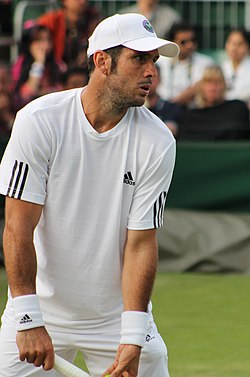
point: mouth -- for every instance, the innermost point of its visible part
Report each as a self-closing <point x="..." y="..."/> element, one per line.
<point x="145" y="88"/>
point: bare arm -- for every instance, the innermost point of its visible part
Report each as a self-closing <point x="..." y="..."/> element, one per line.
<point x="140" y="264"/>
<point x="20" y="259"/>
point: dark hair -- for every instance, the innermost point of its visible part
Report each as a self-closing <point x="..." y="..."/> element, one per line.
<point x="113" y="52"/>
<point x="74" y="70"/>
<point x="177" y="27"/>
<point x="29" y="35"/>
<point x="244" y="33"/>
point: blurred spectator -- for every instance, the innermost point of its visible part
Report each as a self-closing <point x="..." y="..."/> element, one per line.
<point x="179" y="75"/>
<point x="170" y="113"/>
<point x="6" y="111"/>
<point x="5" y="79"/>
<point x="236" y="67"/>
<point x="35" y="72"/>
<point x="214" y="117"/>
<point x="161" y="17"/>
<point x="71" y="26"/>
<point x="75" y="77"/>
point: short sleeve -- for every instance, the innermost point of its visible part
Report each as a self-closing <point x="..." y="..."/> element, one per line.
<point x="24" y="167"/>
<point x="150" y="196"/>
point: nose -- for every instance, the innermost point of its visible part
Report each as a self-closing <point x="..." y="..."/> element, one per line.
<point x="150" y="70"/>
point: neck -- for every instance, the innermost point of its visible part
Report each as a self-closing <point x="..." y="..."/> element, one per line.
<point x="101" y="113"/>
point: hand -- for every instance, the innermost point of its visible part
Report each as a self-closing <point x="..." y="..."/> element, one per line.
<point x="126" y="362"/>
<point x="35" y="346"/>
<point x="38" y="50"/>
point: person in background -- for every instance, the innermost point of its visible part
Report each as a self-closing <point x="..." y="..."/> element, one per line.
<point x="75" y="77"/>
<point x="6" y="109"/>
<point x="169" y="112"/>
<point x="236" y="67"/>
<point x="214" y="117"/>
<point x="71" y="25"/>
<point x="180" y="75"/>
<point x="35" y="72"/>
<point x="161" y="16"/>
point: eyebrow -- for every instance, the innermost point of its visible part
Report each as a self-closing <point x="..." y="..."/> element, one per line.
<point x="146" y="54"/>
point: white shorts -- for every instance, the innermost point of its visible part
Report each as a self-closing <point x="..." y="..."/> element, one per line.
<point x="98" y="348"/>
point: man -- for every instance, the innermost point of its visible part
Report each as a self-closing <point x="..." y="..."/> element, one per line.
<point x="179" y="76"/>
<point x="85" y="176"/>
<point x="161" y="16"/>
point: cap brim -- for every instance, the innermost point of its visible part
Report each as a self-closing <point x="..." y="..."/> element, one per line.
<point x="166" y="48"/>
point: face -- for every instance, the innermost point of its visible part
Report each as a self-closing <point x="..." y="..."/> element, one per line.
<point x="42" y="42"/>
<point x="213" y="91"/>
<point x="132" y="78"/>
<point x="187" y="42"/>
<point x="75" y="5"/>
<point x="236" y="46"/>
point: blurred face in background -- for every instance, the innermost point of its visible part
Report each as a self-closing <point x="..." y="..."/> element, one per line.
<point x="212" y="87"/>
<point x="186" y="40"/>
<point x="41" y="43"/>
<point x="236" y="46"/>
<point x="76" y="6"/>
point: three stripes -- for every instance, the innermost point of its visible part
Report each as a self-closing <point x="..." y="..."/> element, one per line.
<point x="18" y="179"/>
<point x="158" y="209"/>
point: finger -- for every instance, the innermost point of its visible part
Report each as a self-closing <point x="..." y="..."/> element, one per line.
<point x="30" y="358"/>
<point x="109" y="371"/>
<point x="49" y="360"/>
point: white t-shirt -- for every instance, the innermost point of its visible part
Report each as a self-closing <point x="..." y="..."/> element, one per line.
<point x="178" y="75"/>
<point x="93" y="187"/>
<point x="238" y="81"/>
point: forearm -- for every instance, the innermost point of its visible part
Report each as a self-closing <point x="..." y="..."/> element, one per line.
<point x="19" y="252"/>
<point x="140" y="264"/>
<point x="20" y="262"/>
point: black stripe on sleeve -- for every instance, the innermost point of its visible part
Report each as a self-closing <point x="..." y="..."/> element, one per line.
<point x="17" y="179"/>
<point x="23" y="181"/>
<point x="12" y="177"/>
<point x="158" y="209"/>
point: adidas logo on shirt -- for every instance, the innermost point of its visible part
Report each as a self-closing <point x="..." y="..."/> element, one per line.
<point x="25" y="319"/>
<point x="128" y="179"/>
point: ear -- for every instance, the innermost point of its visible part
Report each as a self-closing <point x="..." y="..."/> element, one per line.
<point x="102" y="62"/>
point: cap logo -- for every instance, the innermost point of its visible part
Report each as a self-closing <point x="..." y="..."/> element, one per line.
<point x="147" y="25"/>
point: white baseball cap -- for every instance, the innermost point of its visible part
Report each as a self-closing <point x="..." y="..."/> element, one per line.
<point x="131" y="30"/>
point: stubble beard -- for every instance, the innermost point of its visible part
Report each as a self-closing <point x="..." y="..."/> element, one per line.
<point x="118" y="98"/>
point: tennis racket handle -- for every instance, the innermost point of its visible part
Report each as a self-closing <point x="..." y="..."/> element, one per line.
<point x="67" y="369"/>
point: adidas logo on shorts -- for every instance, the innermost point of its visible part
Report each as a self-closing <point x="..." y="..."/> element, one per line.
<point x="128" y="179"/>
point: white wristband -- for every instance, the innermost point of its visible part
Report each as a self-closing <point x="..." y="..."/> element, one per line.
<point x="28" y="313"/>
<point x="36" y="70"/>
<point x="134" y="328"/>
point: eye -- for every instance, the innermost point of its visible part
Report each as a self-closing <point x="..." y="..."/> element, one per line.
<point x="140" y="58"/>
